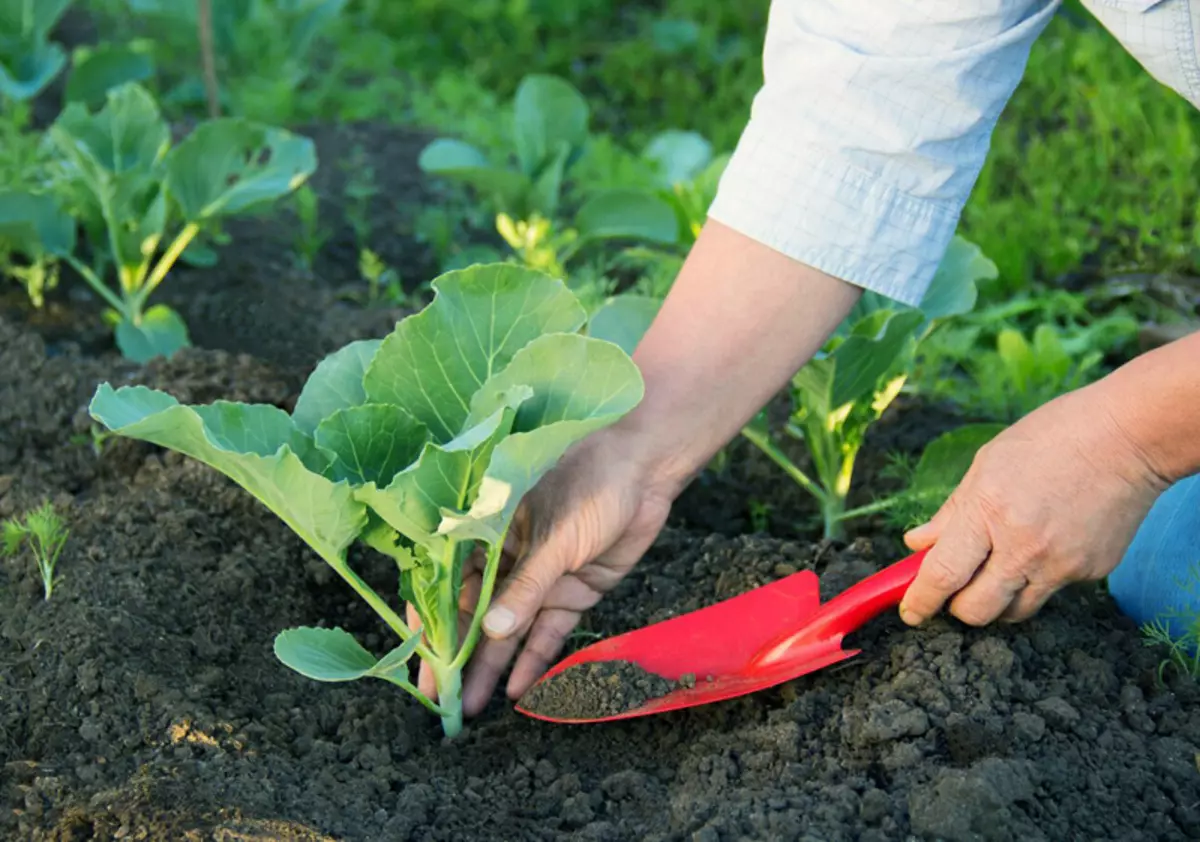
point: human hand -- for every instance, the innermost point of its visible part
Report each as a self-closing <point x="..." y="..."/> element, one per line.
<point x="576" y="535"/>
<point x="1054" y="499"/>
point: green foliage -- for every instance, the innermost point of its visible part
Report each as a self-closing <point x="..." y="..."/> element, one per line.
<point x="420" y="445"/>
<point x="1099" y="172"/>
<point x="311" y="235"/>
<point x="927" y="485"/>
<point x="45" y="533"/>
<point x="1176" y="632"/>
<point x="33" y="231"/>
<point x="1017" y="374"/>
<point x="97" y="70"/>
<point x="266" y="51"/>
<point x="856" y="376"/>
<point x="29" y="61"/>
<point x="117" y="173"/>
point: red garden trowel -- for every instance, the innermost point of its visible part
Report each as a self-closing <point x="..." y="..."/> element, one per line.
<point x="762" y="638"/>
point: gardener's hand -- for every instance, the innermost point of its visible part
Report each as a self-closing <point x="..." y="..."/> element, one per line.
<point x="577" y="534"/>
<point x="1054" y="499"/>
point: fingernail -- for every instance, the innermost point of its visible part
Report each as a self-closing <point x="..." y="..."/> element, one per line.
<point x="499" y="621"/>
<point x="909" y="617"/>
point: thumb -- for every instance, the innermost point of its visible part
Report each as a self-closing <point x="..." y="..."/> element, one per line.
<point x="526" y="587"/>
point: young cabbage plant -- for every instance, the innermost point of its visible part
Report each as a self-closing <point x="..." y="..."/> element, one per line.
<point x="33" y="229"/>
<point x="550" y="133"/>
<point x="550" y="127"/>
<point x="29" y="60"/>
<point x="847" y="386"/>
<point x="118" y="173"/>
<point x="420" y="446"/>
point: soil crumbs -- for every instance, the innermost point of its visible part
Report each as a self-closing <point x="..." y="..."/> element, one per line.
<point x="144" y="702"/>
<point x="598" y="689"/>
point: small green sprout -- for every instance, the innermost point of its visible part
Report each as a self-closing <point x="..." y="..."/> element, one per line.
<point x="45" y="533"/>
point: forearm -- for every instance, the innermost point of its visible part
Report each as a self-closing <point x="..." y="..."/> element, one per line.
<point x="739" y="321"/>
<point x="1155" y="399"/>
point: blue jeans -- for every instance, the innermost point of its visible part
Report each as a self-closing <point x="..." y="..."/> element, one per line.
<point x="1160" y="573"/>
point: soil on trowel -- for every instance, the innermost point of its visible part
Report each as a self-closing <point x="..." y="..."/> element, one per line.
<point x="598" y="689"/>
<point x="143" y="701"/>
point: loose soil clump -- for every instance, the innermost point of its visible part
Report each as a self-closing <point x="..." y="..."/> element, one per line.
<point x="598" y="689"/>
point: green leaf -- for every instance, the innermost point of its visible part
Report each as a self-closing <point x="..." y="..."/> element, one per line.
<point x="680" y="156"/>
<point x="479" y="318"/>
<point x="463" y="162"/>
<point x="632" y="214"/>
<point x="579" y="385"/>
<point x="336" y="383"/>
<point x="862" y="360"/>
<point x="1017" y="358"/>
<point x="127" y="134"/>
<point x="113" y="160"/>
<point x="24" y="75"/>
<point x="334" y="655"/>
<point x="1052" y="359"/>
<point x="947" y="458"/>
<point x="624" y="320"/>
<point x="35" y="225"/>
<point x="324" y="654"/>
<point x="954" y="288"/>
<point x="159" y="333"/>
<point x="443" y="477"/>
<point x="547" y="187"/>
<point x="370" y="443"/>
<point x="30" y="20"/>
<point x="232" y="165"/>
<point x="547" y="111"/>
<point x="97" y="70"/>
<point x="256" y="446"/>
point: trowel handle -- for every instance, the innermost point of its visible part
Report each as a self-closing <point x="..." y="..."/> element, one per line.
<point x="846" y="612"/>
<point x="860" y="603"/>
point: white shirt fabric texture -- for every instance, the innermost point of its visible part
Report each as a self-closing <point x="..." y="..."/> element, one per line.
<point x="875" y="118"/>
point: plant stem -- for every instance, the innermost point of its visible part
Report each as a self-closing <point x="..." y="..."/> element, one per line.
<point x="377" y="602"/>
<point x="98" y="285"/>
<point x="181" y="242"/>
<point x="833" y="512"/>
<point x="449" y="687"/>
<point x="208" y="56"/>
<point x="420" y="697"/>
<point x="763" y="441"/>
<point x="481" y="605"/>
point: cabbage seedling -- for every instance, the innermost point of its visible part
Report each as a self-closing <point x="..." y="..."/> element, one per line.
<point x="133" y="193"/>
<point x="856" y="376"/>
<point x="419" y="445"/>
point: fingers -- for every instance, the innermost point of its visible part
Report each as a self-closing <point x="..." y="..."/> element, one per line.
<point x="988" y="595"/>
<point x="1028" y="602"/>
<point x="962" y="547"/>
<point x="542" y="647"/>
<point x="425" y="682"/>
<point x="488" y="663"/>
<point x="526" y="587"/>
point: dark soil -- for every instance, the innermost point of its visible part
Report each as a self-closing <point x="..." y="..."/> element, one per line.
<point x="597" y="689"/>
<point x="143" y="701"/>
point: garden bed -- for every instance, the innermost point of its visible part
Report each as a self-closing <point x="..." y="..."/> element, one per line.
<point x="143" y="700"/>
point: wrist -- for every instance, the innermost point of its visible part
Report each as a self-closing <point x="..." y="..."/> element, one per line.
<point x="1153" y="402"/>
